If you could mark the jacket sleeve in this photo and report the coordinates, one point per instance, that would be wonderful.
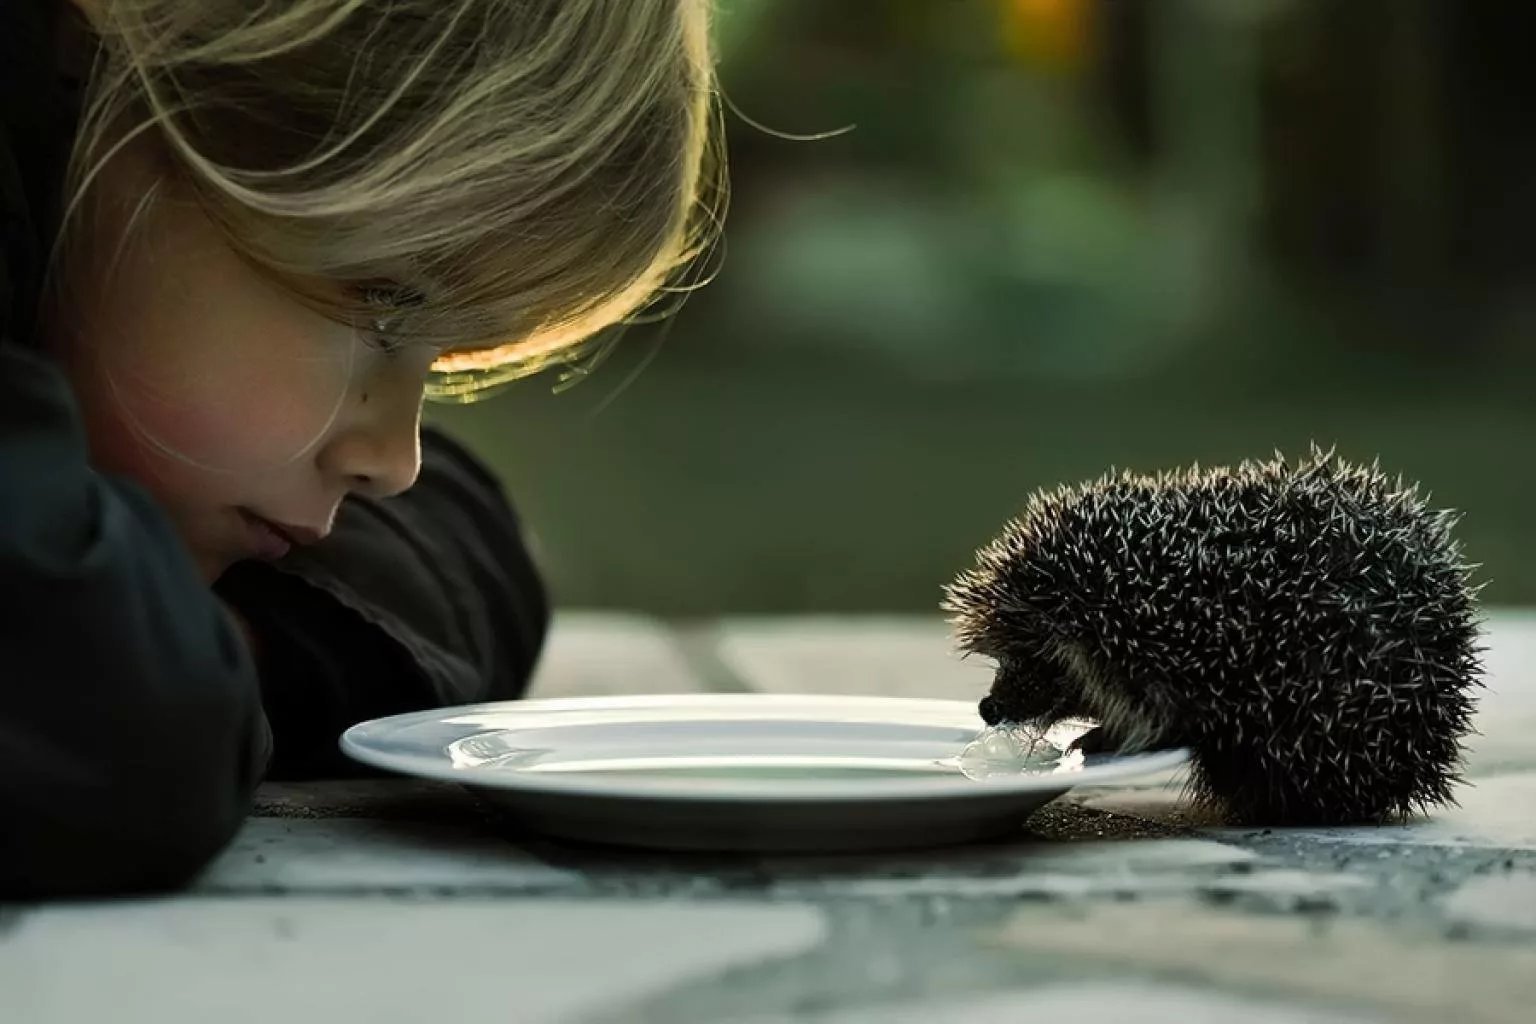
(131, 729)
(427, 599)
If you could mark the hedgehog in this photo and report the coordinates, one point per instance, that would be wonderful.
(1309, 631)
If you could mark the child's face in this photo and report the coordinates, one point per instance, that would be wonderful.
(229, 399)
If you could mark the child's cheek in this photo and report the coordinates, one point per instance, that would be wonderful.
(240, 404)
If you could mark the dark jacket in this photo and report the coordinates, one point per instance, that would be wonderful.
(134, 721)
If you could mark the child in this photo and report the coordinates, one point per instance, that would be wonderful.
(239, 242)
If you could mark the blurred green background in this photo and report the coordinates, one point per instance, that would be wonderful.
(1064, 235)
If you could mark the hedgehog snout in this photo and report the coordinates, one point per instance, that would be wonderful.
(1030, 690)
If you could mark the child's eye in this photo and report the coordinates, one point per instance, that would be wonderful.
(389, 302)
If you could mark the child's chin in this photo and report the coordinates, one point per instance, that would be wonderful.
(212, 567)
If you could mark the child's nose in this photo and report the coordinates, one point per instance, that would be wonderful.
(379, 457)
(386, 475)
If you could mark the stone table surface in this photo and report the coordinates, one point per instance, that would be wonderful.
(401, 901)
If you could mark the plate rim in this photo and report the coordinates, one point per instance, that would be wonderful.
(353, 743)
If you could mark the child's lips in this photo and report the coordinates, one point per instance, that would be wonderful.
(273, 540)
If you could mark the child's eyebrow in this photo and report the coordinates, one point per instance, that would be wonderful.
(388, 291)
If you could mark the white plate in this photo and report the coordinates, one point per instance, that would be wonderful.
(733, 771)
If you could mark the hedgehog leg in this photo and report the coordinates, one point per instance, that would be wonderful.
(1098, 740)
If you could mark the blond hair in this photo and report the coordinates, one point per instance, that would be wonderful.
(530, 171)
